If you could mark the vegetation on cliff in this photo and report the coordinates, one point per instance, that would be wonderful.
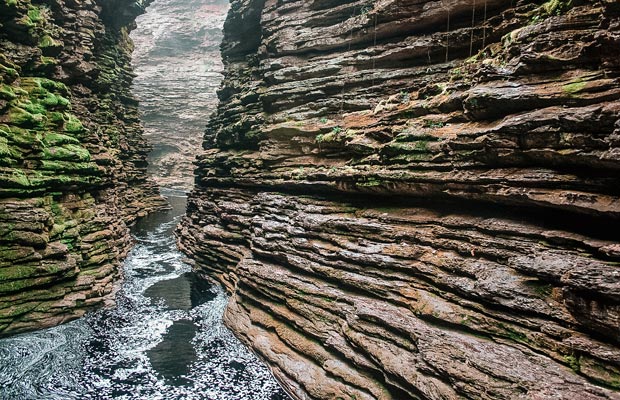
(72, 159)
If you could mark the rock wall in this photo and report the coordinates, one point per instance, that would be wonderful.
(179, 68)
(72, 157)
(417, 199)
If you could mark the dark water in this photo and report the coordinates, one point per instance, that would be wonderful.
(164, 340)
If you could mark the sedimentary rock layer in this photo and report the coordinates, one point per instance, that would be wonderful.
(72, 158)
(179, 68)
(416, 199)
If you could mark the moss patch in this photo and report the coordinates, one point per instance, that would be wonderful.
(574, 88)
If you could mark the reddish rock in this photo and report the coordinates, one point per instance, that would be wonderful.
(404, 204)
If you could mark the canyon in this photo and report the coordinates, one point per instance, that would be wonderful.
(403, 198)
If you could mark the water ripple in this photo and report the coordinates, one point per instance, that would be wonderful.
(143, 348)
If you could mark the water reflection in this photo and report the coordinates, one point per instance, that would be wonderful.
(173, 357)
(182, 293)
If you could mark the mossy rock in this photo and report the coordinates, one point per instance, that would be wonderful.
(68, 152)
(7, 151)
(7, 92)
(32, 107)
(8, 74)
(34, 14)
(56, 101)
(21, 117)
(73, 125)
(84, 168)
(43, 85)
(19, 178)
(573, 88)
(557, 7)
(50, 46)
(58, 139)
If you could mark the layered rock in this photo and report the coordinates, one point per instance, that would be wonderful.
(72, 158)
(414, 199)
(179, 68)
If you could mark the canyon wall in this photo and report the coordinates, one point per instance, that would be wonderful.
(179, 68)
(418, 199)
(72, 157)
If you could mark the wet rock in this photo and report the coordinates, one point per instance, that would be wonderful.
(408, 202)
(72, 158)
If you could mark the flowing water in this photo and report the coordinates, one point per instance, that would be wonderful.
(164, 340)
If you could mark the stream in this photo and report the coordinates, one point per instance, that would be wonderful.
(164, 340)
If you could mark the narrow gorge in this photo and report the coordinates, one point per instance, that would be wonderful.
(397, 199)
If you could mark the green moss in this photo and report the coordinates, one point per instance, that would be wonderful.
(16, 310)
(321, 138)
(17, 272)
(43, 85)
(7, 92)
(369, 182)
(557, 7)
(34, 14)
(56, 208)
(9, 72)
(573, 362)
(20, 178)
(574, 87)
(73, 125)
(85, 168)
(429, 123)
(52, 100)
(56, 118)
(48, 60)
(5, 151)
(47, 41)
(69, 152)
(70, 243)
(33, 107)
(58, 139)
(24, 137)
(19, 116)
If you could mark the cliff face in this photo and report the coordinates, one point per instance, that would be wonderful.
(415, 199)
(72, 158)
(179, 67)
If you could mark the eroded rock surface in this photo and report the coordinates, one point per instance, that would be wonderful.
(72, 158)
(416, 199)
(179, 68)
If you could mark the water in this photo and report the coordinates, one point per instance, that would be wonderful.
(164, 340)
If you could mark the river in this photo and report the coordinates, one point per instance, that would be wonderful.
(164, 339)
